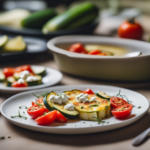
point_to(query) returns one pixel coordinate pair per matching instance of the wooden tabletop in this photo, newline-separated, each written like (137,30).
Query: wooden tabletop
(120,139)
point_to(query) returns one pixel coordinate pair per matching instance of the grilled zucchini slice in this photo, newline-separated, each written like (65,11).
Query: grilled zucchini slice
(39,70)
(10,80)
(2,76)
(90,110)
(103,95)
(60,107)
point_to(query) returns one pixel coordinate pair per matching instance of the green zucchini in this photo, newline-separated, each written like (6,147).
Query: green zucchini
(38,19)
(3,41)
(75,17)
(60,107)
(14,45)
(37,82)
(2,76)
(103,95)
(39,70)
(10,80)
(16,75)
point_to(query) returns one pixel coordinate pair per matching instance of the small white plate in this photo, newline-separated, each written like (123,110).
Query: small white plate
(11,106)
(52,77)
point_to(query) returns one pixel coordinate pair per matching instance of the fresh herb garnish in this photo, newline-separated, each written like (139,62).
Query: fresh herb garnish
(99,120)
(23,107)
(83,122)
(2,137)
(123,97)
(81,107)
(139,107)
(9,137)
(107,122)
(19,116)
(93,105)
(41,95)
(44,113)
(106,106)
(39,104)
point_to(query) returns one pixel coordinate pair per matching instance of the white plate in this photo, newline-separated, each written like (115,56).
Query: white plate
(11,106)
(52,77)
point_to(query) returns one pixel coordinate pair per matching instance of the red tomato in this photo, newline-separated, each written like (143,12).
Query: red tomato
(103,54)
(95,52)
(47,118)
(23,68)
(17,85)
(117,101)
(131,30)
(88,91)
(8,72)
(122,111)
(36,105)
(35,111)
(60,117)
(40,100)
(77,48)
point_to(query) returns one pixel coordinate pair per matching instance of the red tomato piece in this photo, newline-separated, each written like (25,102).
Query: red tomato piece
(40,100)
(117,101)
(18,85)
(88,91)
(8,72)
(95,52)
(23,68)
(35,111)
(103,54)
(122,111)
(131,30)
(60,117)
(47,118)
(77,48)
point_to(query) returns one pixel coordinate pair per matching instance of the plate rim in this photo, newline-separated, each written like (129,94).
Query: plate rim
(127,122)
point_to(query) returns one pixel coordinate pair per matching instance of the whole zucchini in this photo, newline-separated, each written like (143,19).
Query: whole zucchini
(38,19)
(73,18)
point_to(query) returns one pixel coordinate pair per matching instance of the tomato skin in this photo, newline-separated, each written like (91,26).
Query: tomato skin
(130,30)
(117,101)
(77,48)
(40,100)
(35,113)
(123,113)
(23,68)
(47,118)
(60,117)
(18,85)
(95,52)
(88,91)
(8,72)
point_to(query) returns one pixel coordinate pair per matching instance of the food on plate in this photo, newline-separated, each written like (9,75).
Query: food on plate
(75,17)
(22,76)
(130,29)
(38,19)
(102,50)
(15,44)
(122,111)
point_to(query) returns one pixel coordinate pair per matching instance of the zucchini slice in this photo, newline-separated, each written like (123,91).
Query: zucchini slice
(37,82)
(3,40)
(17,75)
(103,95)
(2,76)
(60,107)
(39,71)
(15,45)
(10,80)
(90,110)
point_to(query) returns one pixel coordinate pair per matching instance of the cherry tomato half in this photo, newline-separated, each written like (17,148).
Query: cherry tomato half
(88,91)
(95,52)
(8,72)
(35,111)
(23,68)
(122,111)
(117,101)
(60,117)
(77,48)
(131,30)
(47,118)
(17,85)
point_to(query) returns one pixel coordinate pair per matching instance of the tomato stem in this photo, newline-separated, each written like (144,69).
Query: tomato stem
(132,20)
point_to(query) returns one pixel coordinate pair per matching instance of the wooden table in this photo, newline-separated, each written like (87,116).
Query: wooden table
(120,139)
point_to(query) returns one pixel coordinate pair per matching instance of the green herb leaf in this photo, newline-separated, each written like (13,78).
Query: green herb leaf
(139,107)
(81,107)
(39,104)
(2,137)
(23,107)
(41,95)
(93,105)
(107,122)
(106,106)
(19,116)
(9,137)
(99,120)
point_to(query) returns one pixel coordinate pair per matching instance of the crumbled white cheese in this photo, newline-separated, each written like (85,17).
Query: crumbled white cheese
(84,98)
(63,98)
(24,74)
(31,78)
(69,107)
(21,81)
